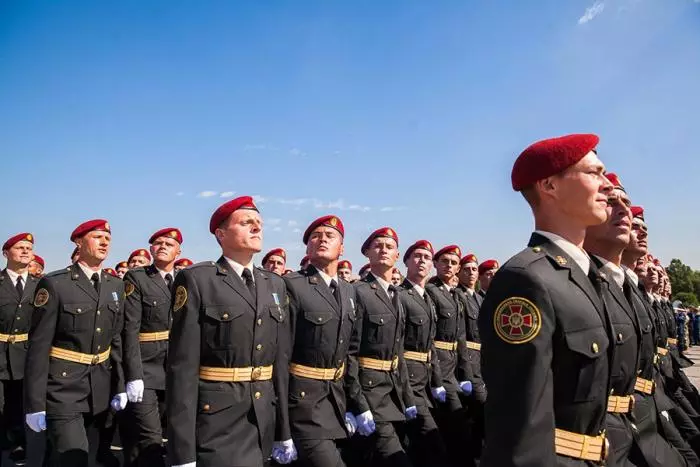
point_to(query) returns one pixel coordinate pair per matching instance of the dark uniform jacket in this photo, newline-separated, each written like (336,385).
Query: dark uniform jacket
(388,393)
(70,315)
(15,318)
(146,309)
(322,332)
(472,304)
(217,323)
(545,337)
(421,321)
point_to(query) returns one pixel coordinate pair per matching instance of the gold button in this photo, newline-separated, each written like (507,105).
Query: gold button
(302,394)
(225,316)
(99,347)
(18,318)
(258,347)
(64,374)
(206,407)
(98,312)
(594,347)
(258,395)
(98,329)
(79,310)
(319,319)
(619,336)
(259,321)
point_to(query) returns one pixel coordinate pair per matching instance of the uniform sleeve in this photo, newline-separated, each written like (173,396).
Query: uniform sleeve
(281,372)
(117,351)
(464,369)
(182,379)
(519,413)
(41,334)
(133,368)
(406,389)
(357,403)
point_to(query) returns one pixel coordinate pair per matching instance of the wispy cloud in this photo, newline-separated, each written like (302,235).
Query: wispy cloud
(276,229)
(392,208)
(292,223)
(179,193)
(259,199)
(296,231)
(293,201)
(273,221)
(592,11)
(357,207)
(207,194)
(296,152)
(227,194)
(315,203)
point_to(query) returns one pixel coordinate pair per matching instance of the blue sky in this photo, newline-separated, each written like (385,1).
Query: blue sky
(400,113)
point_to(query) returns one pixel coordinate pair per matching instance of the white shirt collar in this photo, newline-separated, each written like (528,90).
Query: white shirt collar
(614,271)
(164,273)
(579,256)
(632,275)
(13,276)
(385,285)
(417,288)
(471,292)
(238,268)
(326,278)
(89,272)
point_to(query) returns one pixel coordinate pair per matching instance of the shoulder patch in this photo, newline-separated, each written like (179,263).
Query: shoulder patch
(517,320)
(41,297)
(128,288)
(180,298)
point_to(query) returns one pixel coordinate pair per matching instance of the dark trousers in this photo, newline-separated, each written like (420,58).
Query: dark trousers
(383,447)
(318,453)
(425,444)
(141,432)
(11,414)
(452,424)
(474,404)
(74,437)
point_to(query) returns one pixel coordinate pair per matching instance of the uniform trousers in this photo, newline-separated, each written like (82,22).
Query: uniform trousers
(141,431)
(74,437)
(425,445)
(383,447)
(11,414)
(319,452)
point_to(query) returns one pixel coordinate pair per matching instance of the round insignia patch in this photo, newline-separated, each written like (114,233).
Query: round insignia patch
(517,320)
(180,298)
(128,288)
(41,297)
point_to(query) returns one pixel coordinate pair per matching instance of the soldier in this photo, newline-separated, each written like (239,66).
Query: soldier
(228,358)
(345,270)
(146,330)
(487,270)
(275,261)
(426,445)
(544,329)
(122,268)
(36,267)
(139,258)
(182,263)
(383,372)
(322,313)
(364,270)
(304,262)
(396,277)
(111,272)
(74,356)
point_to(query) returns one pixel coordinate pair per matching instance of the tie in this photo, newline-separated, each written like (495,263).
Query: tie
(19,287)
(394,294)
(335,291)
(95,279)
(169,281)
(248,279)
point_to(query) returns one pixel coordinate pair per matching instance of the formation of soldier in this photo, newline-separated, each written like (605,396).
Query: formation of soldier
(567,354)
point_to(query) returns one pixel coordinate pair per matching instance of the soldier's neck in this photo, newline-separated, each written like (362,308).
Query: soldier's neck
(569,231)
(630,258)
(92,264)
(417,280)
(241,257)
(18,268)
(164,266)
(382,272)
(330,269)
(608,252)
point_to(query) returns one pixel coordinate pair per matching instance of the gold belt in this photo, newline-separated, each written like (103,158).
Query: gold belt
(661,351)
(578,446)
(154,336)
(325,374)
(620,404)
(379,365)
(671,341)
(473,345)
(235,375)
(77,357)
(12,338)
(442,345)
(417,356)
(645,386)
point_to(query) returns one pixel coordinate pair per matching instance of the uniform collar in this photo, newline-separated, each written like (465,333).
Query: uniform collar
(632,275)
(579,256)
(385,285)
(417,287)
(89,272)
(238,268)
(13,276)
(614,271)
(326,278)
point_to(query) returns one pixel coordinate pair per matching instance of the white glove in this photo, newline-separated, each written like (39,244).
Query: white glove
(134,390)
(284,452)
(119,401)
(350,424)
(665,414)
(36,421)
(439,393)
(411,412)
(189,464)
(365,423)
(466,387)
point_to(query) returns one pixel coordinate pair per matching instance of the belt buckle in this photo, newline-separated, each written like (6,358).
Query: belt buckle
(338,373)
(395,363)
(632,402)
(257,372)
(95,360)
(430,354)
(11,339)
(606,449)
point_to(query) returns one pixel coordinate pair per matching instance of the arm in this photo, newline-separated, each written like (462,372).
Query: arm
(357,403)
(464,369)
(133,368)
(281,371)
(116,353)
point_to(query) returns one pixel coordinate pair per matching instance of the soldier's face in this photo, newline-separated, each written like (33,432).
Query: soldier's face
(165,250)
(638,238)
(652,277)
(419,264)
(275,264)
(243,232)
(324,244)
(35,269)
(468,275)
(94,245)
(345,274)
(486,278)
(396,278)
(20,254)
(447,266)
(383,251)
(121,272)
(618,226)
(138,261)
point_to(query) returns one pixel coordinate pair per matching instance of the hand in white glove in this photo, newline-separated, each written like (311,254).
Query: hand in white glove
(466,387)
(350,424)
(36,421)
(365,423)
(284,452)
(189,464)
(439,393)
(411,412)
(134,390)
(665,414)
(119,401)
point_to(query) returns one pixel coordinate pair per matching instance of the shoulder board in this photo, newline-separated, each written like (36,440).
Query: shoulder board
(210,264)
(526,257)
(294,275)
(59,272)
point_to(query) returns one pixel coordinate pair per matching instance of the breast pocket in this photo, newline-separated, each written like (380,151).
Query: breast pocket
(416,329)
(625,350)
(446,325)
(77,316)
(588,363)
(313,324)
(217,328)
(155,309)
(378,327)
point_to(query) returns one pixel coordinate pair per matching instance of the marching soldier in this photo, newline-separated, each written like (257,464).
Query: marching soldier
(487,270)
(146,331)
(227,370)
(36,267)
(345,270)
(182,263)
(139,258)
(544,329)
(396,277)
(122,268)
(275,261)
(364,270)
(74,360)
(322,313)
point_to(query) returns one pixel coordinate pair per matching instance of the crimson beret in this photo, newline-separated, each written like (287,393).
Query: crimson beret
(550,157)
(170,232)
(26,236)
(122,264)
(364,268)
(448,250)
(275,252)
(184,262)
(325,221)
(39,260)
(286,271)
(140,252)
(615,180)
(110,271)
(226,209)
(488,265)
(637,212)
(95,224)
(420,244)
(344,264)
(382,232)
(470,258)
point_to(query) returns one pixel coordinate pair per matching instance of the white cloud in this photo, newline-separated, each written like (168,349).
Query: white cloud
(293,201)
(227,194)
(257,147)
(592,11)
(296,231)
(276,229)
(296,152)
(392,208)
(207,194)
(179,193)
(357,207)
(292,223)
(259,199)
(273,221)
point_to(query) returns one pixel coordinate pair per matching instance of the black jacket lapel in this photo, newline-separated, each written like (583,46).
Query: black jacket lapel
(321,288)
(234,281)
(83,281)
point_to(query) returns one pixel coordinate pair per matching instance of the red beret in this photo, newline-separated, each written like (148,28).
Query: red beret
(345,264)
(657,262)
(140,252)
(122,264)
(382,232)
(184,262)
(304,261)
(26,236)
(470,258)
(275,252)
(170,232)
(637,212)
(615,180)
(364,268)
(286,271)
(550,157)
(325,221)
(110,271)
(39,260)
(448,250)
(95,224)
(225,210)
(488,265)
(422,244)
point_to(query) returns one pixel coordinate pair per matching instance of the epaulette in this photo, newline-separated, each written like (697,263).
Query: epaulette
(526,257)
(294,275)
(211,264)
(58,272)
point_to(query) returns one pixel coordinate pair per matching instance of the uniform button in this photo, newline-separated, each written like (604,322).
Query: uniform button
(369,382)
(319,319)
(79,310)
(411,375)
(20,306)
(155,303)
(634,427)
(449,314)
(420,321)
(99,347)
(98,312)
(98,330)
(259,321)
(258,395)
(341,341)
(16,330)
(64,374)
(381,320)
(619,336)
(225,316)
(206,407)
(258,347)
(594,347)
(18,318)
(302,394)
(397,339)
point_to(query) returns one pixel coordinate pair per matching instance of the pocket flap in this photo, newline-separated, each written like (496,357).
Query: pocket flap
(277,313)
(318,317)
(211,402)
(592,342)
(222,313)
(379,319)
(417,319)
(78,308)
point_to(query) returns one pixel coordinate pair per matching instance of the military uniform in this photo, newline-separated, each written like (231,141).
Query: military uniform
(228,374)
(146,332)
(74,360)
